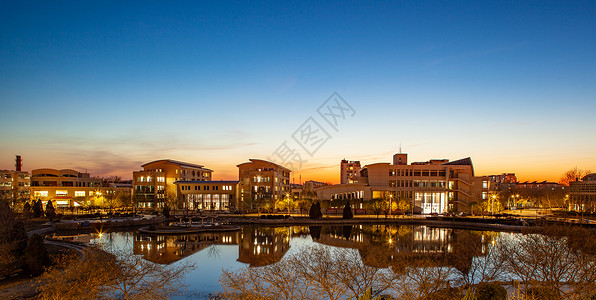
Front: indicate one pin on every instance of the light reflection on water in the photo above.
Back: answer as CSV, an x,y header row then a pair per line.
x,y
256,246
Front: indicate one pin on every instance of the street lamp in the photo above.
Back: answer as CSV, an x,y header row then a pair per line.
x,y
390,198
492,202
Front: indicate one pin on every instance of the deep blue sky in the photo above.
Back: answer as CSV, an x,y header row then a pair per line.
x,y
106,86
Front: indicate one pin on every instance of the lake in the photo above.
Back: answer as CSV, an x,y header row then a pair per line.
x,y
257,246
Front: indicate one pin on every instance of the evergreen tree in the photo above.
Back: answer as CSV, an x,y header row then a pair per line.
x,y
27,211
348,212
37,208
50,210
36,256
315,211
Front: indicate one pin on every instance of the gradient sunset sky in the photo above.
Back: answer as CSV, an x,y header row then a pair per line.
x,y
107,86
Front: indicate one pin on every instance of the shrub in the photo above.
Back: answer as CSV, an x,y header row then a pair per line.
x,y
491,291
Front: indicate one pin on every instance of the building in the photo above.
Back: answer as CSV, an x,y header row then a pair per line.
x,y
582,194
156,182
505,178
208,195
434,186
70,188
14,184
262,183
349,170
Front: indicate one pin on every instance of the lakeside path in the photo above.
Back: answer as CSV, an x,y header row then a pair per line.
x,y
472,223
469,223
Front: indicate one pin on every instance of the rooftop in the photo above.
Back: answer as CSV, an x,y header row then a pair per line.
x,y
177,162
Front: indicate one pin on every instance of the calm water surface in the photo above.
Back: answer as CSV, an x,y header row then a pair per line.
x,y
256,246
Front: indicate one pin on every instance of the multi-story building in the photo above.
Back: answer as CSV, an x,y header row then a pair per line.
x,y
582,194
507,178
156,181
262,183
435,186
349,170
208,195
70,188
16,185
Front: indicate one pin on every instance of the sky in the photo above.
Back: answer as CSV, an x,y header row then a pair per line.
x,y
107,86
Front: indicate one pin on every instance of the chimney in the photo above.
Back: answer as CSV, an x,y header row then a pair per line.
x,y
19,163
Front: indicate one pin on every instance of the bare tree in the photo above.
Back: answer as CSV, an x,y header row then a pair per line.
x,y
423,278
314,273
74,277
546,259
121,276
137,278
476,261
573,175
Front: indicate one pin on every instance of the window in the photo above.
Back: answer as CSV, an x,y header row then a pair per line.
x,y
485,184
161,179
79,193
40,193
61,193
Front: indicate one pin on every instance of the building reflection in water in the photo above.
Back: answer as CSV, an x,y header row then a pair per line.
x,y
166,249
407,243
262,246
258,246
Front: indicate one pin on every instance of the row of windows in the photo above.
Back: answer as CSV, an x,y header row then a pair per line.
x,y
63,193
65,183
417,173
261,179
205,188
9,176
417,183
194,173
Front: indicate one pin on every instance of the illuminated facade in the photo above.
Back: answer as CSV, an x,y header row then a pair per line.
x,y
349,170
582,194
208,195
15,184
435,186
262,181
156,181
70,188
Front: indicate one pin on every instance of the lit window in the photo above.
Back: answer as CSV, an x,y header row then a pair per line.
x,y
61,193
79,193
40,193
